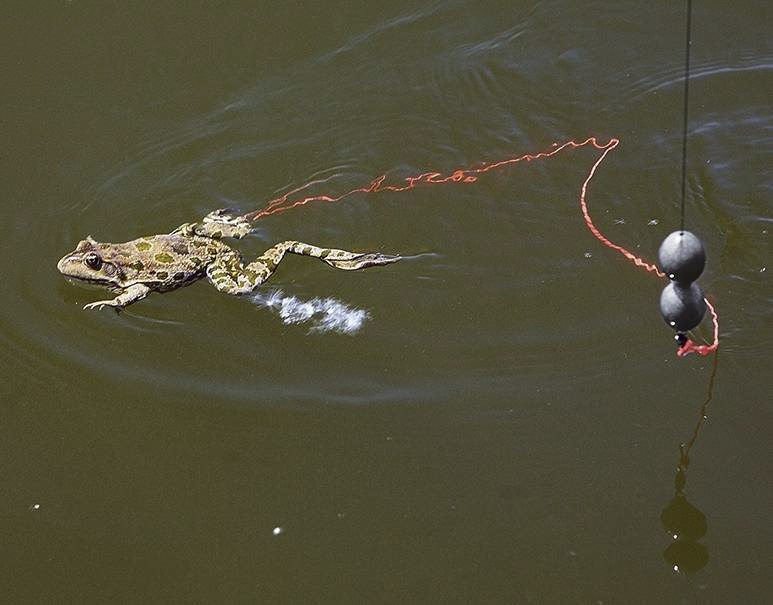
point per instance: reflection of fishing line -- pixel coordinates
(321, 314)
(470, 175)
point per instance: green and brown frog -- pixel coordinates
(159, 263)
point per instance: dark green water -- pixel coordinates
(503, 424)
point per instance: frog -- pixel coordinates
(193, 251)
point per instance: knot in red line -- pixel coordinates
(691, 347)
(703, 350)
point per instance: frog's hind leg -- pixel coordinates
(228, 275)
(339, 259)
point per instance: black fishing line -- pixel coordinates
(688, 44)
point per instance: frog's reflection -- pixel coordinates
(682, 520)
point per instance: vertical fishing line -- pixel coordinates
(688, 45)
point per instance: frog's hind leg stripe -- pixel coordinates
(341, 259)
(228, 275)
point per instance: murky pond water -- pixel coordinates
(495, 419)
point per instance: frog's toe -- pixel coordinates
(101, 304)
(224, 215)
(95, 305)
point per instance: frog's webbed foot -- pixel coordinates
(224, 222)
(219, 223)
(351, 261)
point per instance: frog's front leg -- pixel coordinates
(131, 295)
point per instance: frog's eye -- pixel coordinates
(92, 261)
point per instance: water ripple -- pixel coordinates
(429, 89)
(673, 76)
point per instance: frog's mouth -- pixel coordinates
(85, 281)
(65, 266)
(80, 281)
(61, 265)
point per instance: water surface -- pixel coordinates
(495, 419)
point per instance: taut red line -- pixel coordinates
(462, 175)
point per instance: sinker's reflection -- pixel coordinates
(684, 522)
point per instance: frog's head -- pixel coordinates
(91, 262)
